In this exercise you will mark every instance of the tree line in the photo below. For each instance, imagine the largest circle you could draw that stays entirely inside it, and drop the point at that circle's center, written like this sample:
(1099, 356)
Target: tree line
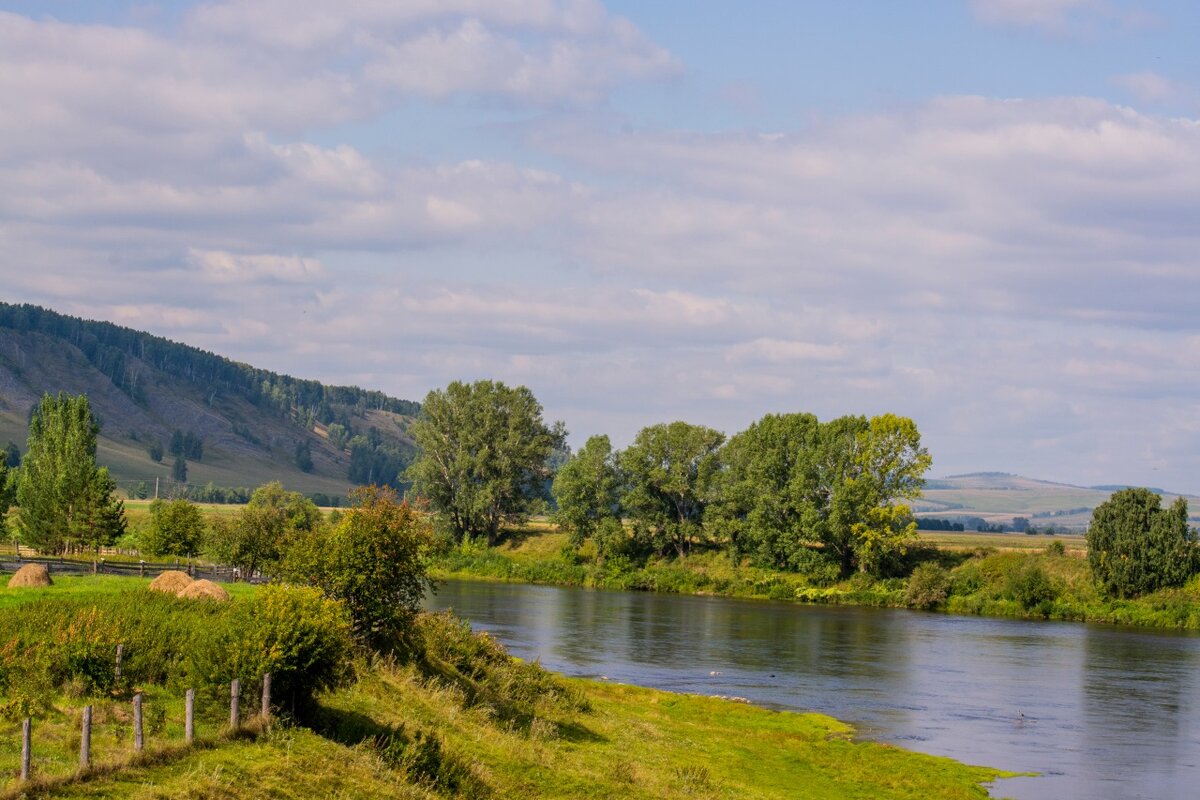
(118, 352)
(786, 491)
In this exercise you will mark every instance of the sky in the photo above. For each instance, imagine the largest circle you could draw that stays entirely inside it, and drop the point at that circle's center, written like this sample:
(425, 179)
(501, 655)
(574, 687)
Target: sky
(982, 214)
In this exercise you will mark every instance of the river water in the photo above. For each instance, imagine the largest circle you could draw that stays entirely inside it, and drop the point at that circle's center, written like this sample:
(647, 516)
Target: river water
(1101, 712)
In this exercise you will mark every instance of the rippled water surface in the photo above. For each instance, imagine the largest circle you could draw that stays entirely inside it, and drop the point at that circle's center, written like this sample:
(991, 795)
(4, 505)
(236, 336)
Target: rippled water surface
(1101, 712)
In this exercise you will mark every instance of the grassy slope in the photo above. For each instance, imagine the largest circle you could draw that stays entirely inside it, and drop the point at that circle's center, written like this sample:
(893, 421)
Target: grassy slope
(632, 742)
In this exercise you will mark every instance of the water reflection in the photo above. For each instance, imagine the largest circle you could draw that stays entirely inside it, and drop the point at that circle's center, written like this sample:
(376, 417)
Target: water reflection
(1101, 712)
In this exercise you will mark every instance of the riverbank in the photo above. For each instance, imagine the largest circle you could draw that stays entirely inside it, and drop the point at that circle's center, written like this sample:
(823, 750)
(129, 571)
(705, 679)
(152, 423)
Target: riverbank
(1047, 582)
(461, 720)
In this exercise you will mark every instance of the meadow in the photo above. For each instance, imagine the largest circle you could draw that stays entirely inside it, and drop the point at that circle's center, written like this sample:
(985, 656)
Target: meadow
(451, 715)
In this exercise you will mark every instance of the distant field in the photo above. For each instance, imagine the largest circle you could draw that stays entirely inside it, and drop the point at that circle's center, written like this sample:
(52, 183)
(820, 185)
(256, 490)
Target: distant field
(971, 540)
(998, 498)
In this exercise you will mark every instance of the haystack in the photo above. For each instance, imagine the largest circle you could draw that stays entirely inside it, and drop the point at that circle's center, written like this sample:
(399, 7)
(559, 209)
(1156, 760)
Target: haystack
(172, 581)
(30, 575)
(203, 589)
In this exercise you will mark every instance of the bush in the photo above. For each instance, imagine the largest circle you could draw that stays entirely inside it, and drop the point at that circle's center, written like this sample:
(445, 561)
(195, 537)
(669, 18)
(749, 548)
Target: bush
(373, 561)
(818, 568)
(928, 586)
(295, 633)
(1031, 587)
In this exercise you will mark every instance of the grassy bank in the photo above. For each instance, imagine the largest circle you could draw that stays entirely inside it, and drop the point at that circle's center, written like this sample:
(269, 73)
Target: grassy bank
(456, 718)
(1036, 580)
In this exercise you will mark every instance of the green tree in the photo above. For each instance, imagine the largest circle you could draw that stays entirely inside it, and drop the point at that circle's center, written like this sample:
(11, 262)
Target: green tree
(587, 490)
(12, 455)
(484, 453)
(669, 469)
(373, 560)
(864, 468)
(155, 451)
(64, 498)
(7, 494)
(179, 470)
(767, 488)
(261, 532)
(176, 529)
(1136, 546)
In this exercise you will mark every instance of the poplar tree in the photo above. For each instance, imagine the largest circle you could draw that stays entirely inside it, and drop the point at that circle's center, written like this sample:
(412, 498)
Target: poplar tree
(64, 498)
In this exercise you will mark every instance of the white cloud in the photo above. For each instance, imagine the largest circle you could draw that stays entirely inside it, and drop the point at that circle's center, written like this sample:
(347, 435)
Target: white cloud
(1062, 16)
(225, 267)
(1147, 86)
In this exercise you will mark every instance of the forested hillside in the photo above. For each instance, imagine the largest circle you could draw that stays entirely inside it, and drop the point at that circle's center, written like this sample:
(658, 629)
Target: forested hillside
(231, 424)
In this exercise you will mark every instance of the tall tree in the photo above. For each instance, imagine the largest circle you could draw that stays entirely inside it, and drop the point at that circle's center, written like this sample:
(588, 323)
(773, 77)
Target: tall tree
(1136, 546)
(64, 498)
(484, 453)
(587, 489)
(176, 529)
(766, 488)
(669, 469)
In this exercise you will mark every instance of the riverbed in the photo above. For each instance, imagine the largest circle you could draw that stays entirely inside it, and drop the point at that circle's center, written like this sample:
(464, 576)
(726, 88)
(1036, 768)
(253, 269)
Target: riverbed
(1099, 711)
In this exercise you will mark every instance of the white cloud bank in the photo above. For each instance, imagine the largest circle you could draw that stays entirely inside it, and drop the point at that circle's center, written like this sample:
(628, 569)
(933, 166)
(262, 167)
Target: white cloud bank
(1018, 275)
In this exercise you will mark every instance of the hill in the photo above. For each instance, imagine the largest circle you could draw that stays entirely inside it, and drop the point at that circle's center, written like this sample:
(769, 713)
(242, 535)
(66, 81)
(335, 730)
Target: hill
(998, 497)
(251, 425)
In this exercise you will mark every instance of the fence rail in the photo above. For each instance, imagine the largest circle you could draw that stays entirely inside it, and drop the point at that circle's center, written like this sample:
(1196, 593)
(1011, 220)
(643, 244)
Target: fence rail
(9, 562)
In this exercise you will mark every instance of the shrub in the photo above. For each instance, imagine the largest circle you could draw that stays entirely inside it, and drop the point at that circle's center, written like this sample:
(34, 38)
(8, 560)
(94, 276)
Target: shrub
(1056, 548)
(966, 580)
(373, 561)
(295, 633)
(1031, 587)
(1136, 546)
(928, 586)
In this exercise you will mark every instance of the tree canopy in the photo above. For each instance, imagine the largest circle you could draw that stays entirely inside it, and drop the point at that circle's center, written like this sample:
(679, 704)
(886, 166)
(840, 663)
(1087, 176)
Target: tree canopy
(484, 455)
(176, 529)
(1136, 546)
(259, 535)
(64, 498)
(668, 471)
(587, 489)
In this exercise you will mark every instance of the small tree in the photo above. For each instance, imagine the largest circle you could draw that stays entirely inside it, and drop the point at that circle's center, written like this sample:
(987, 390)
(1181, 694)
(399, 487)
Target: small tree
(176, 529)
(588, 490)
(259, 535)
(373, 560)
(64, 498)
(1135, 546)
(179, 470)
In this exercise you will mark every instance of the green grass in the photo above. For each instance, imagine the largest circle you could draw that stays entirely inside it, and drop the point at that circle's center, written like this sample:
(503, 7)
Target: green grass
(83, 586)
(473, 723)
(632, 743)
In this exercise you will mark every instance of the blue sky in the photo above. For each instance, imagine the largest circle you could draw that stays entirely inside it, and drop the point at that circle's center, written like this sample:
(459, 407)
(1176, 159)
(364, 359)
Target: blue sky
(983, 214)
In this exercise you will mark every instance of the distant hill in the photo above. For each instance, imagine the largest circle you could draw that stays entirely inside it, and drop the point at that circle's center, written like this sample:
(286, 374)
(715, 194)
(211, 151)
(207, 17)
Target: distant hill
(253, 425)
(998, 497)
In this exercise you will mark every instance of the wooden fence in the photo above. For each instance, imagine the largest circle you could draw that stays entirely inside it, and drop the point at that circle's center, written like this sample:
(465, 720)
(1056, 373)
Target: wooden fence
(11, 562)
(139, 741)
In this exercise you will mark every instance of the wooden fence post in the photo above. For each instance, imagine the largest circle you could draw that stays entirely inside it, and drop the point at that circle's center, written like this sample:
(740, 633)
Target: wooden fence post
(189, 716)
(266, 698)
(26, 747)
(120, 653)
(85, 740)
(138, 741)
(235, 691)
(141, 568)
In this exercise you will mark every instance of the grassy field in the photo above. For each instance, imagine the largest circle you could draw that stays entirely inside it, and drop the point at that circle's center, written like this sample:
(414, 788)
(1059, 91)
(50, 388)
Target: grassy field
(84, 586)
(470, 727)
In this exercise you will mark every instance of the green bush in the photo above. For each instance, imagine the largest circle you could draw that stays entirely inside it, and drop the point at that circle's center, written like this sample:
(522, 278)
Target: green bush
(1031, 587)
(295, 633)
(928, 586)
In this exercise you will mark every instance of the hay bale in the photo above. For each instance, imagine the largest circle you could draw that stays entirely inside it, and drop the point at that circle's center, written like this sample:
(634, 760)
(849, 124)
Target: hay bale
(202, 589)
(173, 581)
(30, 575)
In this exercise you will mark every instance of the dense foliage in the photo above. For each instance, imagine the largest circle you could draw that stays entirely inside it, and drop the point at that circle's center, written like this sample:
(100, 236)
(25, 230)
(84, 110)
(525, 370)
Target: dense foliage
(176, 529)
(484, 455)
(372, 561)
(70, 644)
(1136, 546)
(65, 499)
(790, 492)
(258, 536)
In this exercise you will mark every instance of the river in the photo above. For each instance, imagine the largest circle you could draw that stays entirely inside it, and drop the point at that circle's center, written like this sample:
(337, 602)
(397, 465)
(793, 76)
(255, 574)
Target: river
(1101, 712)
